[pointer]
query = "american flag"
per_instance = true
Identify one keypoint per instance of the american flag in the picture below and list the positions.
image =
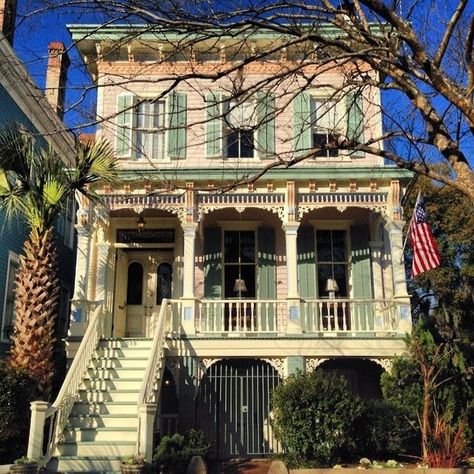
(425, 251)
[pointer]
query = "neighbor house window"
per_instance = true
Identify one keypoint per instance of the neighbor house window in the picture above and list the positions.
(10, 297)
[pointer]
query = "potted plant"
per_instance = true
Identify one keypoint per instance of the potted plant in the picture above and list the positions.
(133, 464)
(24, 465)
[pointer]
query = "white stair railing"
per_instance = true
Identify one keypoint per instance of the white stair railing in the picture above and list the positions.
(58, 413)
(149, 395)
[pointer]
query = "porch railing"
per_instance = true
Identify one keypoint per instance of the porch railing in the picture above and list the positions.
(241, 316)
(149, 395)
(320, 316)
(56, 415)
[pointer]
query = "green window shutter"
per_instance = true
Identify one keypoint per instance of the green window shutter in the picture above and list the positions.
(124, 125)
(177, 125)
(303, 135)
(355, 119)
(306, 262)
(212, 263)
(266, 124)
(214, 124)
(267, 274)
(361, 268)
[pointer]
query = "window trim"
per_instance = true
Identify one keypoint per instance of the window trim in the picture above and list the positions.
(12, 257)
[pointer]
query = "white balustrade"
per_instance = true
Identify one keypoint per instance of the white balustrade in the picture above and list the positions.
(322, 316)
(58, 413)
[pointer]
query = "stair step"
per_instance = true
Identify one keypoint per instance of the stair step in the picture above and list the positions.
(116, 373)
(126, 343)
(104, 421)
(112, 383)
(102, 464)
(93, 395)
(85, 408)
(107, 434)
(119, 362)
(97, 448)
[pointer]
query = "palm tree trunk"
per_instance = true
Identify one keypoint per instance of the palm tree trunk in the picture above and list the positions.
(37, 293)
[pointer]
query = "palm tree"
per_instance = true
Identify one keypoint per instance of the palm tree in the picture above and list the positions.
(35, 185)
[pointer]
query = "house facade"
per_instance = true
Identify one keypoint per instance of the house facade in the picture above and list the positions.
(199, 288)
(22, 103)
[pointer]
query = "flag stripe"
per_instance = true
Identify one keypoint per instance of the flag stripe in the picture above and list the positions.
(425, 251)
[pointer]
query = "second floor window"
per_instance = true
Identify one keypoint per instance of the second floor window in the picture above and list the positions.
(153, 128)
(324, 126)
(150, 130)
(239, 134)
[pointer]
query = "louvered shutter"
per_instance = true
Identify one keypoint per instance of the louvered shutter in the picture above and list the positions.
(124, 125)
(302, 130)
(266, 124)
(177, 117)
(355, 119)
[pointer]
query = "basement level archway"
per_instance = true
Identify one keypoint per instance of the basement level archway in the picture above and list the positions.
(233, 407)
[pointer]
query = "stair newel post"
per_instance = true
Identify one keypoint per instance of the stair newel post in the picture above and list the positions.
(37, 422)
(146, 420)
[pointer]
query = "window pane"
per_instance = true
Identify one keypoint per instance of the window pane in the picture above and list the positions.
(163, 282)
(247, 247)
(339, 245)
(231, 246)
(246, 144)
(340, 275)
(233, 144)
(135, 283)
(247, 273)
(323, 245)
(231, 274)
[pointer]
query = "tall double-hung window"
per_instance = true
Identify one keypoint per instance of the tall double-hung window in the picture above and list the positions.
(151, 128)
(240, 128)
(319, 121)
(9, 298)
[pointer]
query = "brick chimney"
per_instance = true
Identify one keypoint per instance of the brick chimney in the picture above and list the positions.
(7, 18)
(56, 76)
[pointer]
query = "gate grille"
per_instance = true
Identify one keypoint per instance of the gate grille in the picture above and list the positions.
(234, 405)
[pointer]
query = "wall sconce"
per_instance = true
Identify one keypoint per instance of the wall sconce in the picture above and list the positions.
(140, 223)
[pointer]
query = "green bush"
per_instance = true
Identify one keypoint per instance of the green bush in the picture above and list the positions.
(316, 417)
(17, 390)
(388, 430)
(174, 452)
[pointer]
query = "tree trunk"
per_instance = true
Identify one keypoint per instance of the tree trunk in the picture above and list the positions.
(37, 293)
(425, 419)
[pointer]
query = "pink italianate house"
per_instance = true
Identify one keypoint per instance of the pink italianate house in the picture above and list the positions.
(196, 295)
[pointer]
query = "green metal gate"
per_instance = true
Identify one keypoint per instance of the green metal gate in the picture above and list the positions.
(233, 407)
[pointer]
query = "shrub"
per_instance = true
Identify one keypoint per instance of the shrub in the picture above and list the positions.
(174, 452)
(387, 430)
(317, 417)
(17, 390)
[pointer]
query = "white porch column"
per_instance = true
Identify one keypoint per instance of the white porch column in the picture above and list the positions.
(79, 302)
(189, 304)
(395, 230)
(293, 298)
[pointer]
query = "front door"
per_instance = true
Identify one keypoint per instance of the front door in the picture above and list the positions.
(140, 290)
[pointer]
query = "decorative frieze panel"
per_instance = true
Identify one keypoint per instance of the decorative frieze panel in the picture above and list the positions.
(278, 363)
(312, 363)
(274, 202)
(369, 200)
(385, 363)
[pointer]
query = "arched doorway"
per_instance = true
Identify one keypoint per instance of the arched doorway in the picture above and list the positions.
(233, 407)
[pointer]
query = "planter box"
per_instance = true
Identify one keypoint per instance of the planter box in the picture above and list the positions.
(132, 468)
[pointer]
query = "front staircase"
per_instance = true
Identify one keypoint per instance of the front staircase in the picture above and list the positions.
(103, 424)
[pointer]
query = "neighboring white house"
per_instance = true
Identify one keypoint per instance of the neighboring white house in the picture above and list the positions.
(198, 302)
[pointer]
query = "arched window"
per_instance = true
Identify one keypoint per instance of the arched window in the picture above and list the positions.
(164, 278)
(135, 283)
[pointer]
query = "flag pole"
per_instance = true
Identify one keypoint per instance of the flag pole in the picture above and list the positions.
(409, 226)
